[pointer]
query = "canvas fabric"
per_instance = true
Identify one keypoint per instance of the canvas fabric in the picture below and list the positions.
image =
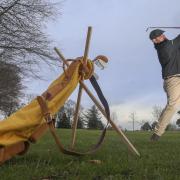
(22, 124)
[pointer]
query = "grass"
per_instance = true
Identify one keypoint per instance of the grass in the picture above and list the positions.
(158, 161)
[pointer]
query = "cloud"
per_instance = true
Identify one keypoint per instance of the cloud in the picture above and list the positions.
(142, 106)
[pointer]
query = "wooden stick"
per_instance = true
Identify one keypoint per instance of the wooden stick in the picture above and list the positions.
(118, 130)
(86, 50)
(76, 115)
(61, 57)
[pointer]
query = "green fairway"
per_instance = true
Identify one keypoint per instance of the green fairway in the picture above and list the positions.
(158, 161)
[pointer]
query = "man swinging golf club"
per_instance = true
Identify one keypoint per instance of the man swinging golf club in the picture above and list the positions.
(169, 57)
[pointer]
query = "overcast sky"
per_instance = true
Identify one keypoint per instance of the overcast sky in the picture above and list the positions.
(132, 81)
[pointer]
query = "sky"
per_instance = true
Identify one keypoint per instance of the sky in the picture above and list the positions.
(132, 81)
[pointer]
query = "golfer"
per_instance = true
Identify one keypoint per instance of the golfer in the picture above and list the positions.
(168, 52)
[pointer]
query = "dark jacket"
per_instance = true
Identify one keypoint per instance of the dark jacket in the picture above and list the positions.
(169, 56)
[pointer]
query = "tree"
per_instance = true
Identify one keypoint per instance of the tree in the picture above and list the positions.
(23, 45)
(66, 114)
(62, 121)
(69, 108)
(153, 125)
(146, 126)
(80, 124)
(10, 88)
(170, 127)
(22, 40)
(157, 110)
(93, 118)
(178, 122)
(156, 113)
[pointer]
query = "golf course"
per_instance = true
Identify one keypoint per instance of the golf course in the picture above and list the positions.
(158, 161)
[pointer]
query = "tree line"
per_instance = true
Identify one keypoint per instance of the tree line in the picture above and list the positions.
(90, 118)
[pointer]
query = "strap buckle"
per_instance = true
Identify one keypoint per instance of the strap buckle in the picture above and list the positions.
(44, 109)
(48, 118)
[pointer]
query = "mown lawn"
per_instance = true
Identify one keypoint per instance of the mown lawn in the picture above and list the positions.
(158, 161)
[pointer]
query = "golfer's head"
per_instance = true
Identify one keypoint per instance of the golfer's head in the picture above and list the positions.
(157, 36)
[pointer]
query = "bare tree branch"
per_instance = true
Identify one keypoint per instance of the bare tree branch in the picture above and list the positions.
(22, 39)
(5, 10)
